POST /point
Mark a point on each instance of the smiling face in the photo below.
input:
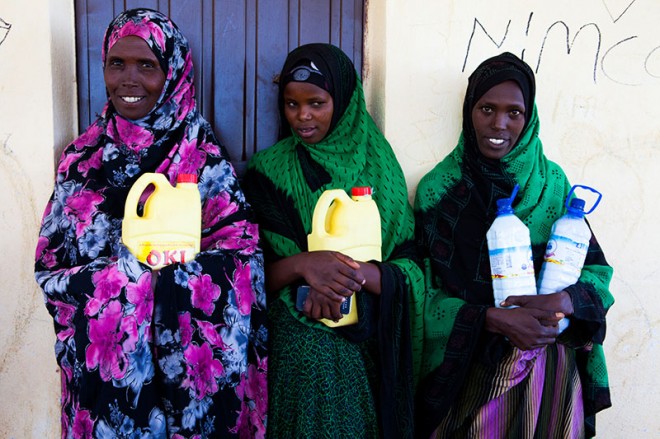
(133, 77)
(308, 110)
(498, 118)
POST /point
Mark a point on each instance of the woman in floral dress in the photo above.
(179, 352)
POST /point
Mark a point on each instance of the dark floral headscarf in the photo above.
(175, 107)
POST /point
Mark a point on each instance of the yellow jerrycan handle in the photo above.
(321, 210)
(133, 198)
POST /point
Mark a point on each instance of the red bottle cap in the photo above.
(186, 178)
(360, 190)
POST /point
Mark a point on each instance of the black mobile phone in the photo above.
(302, 293)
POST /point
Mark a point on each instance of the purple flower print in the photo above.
(83, 426)
(211, 148)
(89, 137)
(204, 293)
(191, 158)
(209, 333)
(180, 99)
(130, 28)
(186, 329)
(133, 136)
(49, 259)
(242, 283)
(251, 230)
(94, 162)
(156, 33)
(253, 386)
(65, 380)
(216, 208)
(80, 206)
(111, 337)
(64, 316)
(202, 370)
(45, 255)
(108, 284)
(145, 30)
(142, 296)
(252, 391)
(66, 162)
(238, 236)
(185, 93)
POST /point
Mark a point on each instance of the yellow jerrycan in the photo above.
(169, 229)
(349, 225)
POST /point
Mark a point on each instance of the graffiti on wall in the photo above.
(4, 30)
(589, 34)
(613, 12)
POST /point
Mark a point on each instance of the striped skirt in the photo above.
(530, 394)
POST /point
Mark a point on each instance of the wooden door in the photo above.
(238, 48)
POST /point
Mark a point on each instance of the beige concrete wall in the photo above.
(36, 114)
(599, 120)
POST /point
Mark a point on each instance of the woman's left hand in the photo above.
(320, 306)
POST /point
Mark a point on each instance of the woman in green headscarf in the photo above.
(486, 371)
(349, 381)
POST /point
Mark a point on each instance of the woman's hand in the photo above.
(327, 271)
(319, 306)
(556, 302)
(332, 277)
(331, 274)
(526, 328)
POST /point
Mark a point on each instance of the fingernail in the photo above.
(560, 315)
(503, 304)
(364, 281)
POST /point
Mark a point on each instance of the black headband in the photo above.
(306, 71)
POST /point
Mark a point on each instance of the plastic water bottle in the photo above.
(567, 248)
(169, 228)
(349, 225)
(510, 253)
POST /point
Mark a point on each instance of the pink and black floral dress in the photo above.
(188, 358)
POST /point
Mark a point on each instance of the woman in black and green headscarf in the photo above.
(352, 381)
(490, 372)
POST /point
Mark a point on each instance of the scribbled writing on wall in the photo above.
(4, 30)
(588, 34)
(616, 15)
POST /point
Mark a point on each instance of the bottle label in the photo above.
(159, 254)
(511, 262)
(562, 250)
